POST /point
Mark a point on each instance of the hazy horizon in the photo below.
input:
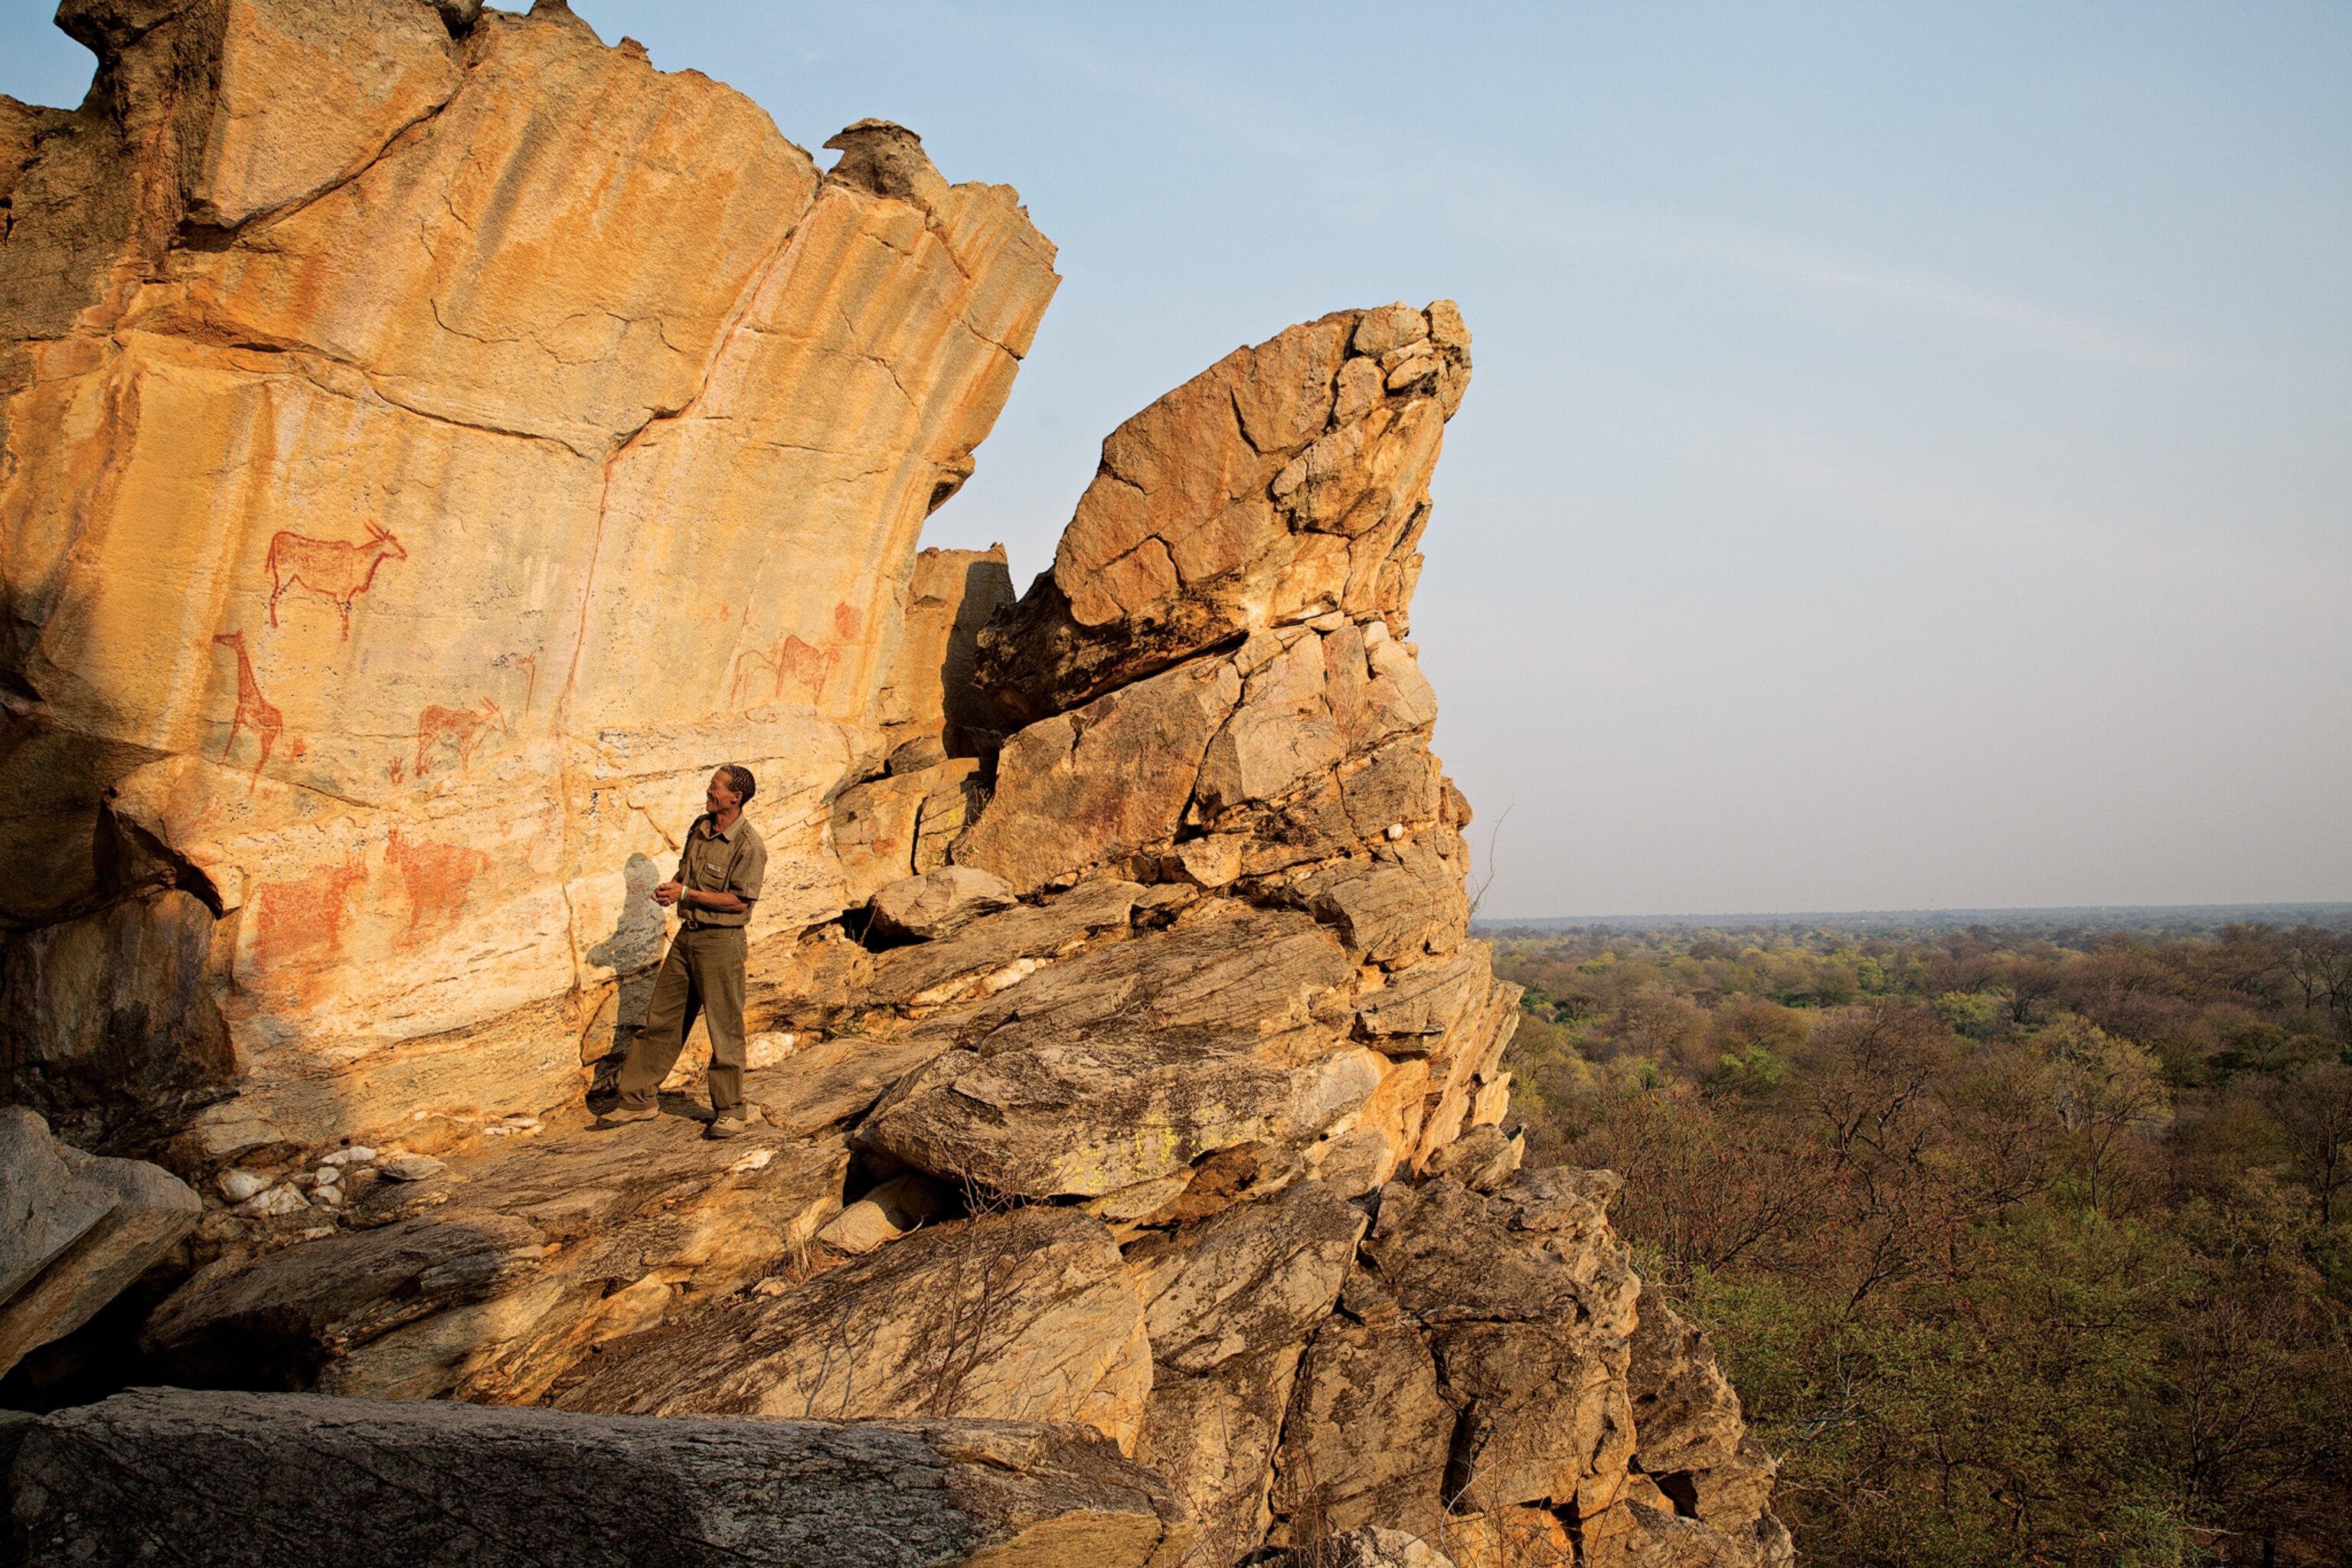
(1910, 465)
(2090, 916)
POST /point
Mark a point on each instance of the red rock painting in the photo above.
(304, 918)
(462, 728)
(254, 711)
(335, 569)
(791, 662)
(437, 878)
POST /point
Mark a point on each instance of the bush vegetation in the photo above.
(2022, 1247)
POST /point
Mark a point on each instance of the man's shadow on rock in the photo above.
(634, 954)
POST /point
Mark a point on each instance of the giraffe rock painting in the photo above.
(461, 727)
(254, 711)
(335, 569)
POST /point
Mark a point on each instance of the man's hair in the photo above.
(740, 780)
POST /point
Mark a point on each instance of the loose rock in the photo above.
(392, 1484)
(938, 902)
(74, 1230)
(1021, 1316)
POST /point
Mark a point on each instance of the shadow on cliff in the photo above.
(972, 722)
(634, 954)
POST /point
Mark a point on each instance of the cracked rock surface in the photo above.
(236, 1478)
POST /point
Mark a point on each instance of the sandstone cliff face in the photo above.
(425, 455)
(405, 508)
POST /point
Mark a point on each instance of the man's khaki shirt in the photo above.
(735, 862)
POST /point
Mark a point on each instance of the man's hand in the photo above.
(667, 894)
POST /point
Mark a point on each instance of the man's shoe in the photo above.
(622, 1115)
(727, 1124)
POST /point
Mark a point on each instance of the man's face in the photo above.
(719, 796)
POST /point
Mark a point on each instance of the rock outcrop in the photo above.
(1179, 1124)
(494, 1273)
(426, 454)
(1123, 1059)
(74, 1230)
(230, 1480)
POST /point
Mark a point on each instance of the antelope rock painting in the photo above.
(334, 569)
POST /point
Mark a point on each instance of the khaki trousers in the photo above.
(704, 974)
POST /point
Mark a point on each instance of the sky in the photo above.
(1909, 460)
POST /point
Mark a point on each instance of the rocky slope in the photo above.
(1126, 1067)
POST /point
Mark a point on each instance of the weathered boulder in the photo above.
(1307, 743)
(1369, 1432)
(903, 823)
(426, 454)
(1256, 1275)
(1415, 1009)
(1482, 1159)
(1397, 905)
(1368, 1546)
(222, 1480)
(833, 1082)
(1127, 1063)
(886, 1212)
(938, 902)
(1021, 1316)
(1692, 1446)
(1229, 1303)
(1285, 481)
(1213, 1439)
(74, 1231)
(993, 953)
(492, 1277)
(1090, 786)
(1526, 1302)
(1653, 1534)
(108, 1020)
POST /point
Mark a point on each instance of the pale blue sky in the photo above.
(1910, 461)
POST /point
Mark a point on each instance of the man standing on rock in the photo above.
(718, 881)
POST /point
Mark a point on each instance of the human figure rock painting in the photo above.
(336, 570)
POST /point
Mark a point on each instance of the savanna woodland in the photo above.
(2022, 1247)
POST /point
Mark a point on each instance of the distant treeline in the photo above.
(2023, 1246)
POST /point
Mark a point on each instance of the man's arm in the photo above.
(725, 903)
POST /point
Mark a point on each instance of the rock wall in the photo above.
(429, 445)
